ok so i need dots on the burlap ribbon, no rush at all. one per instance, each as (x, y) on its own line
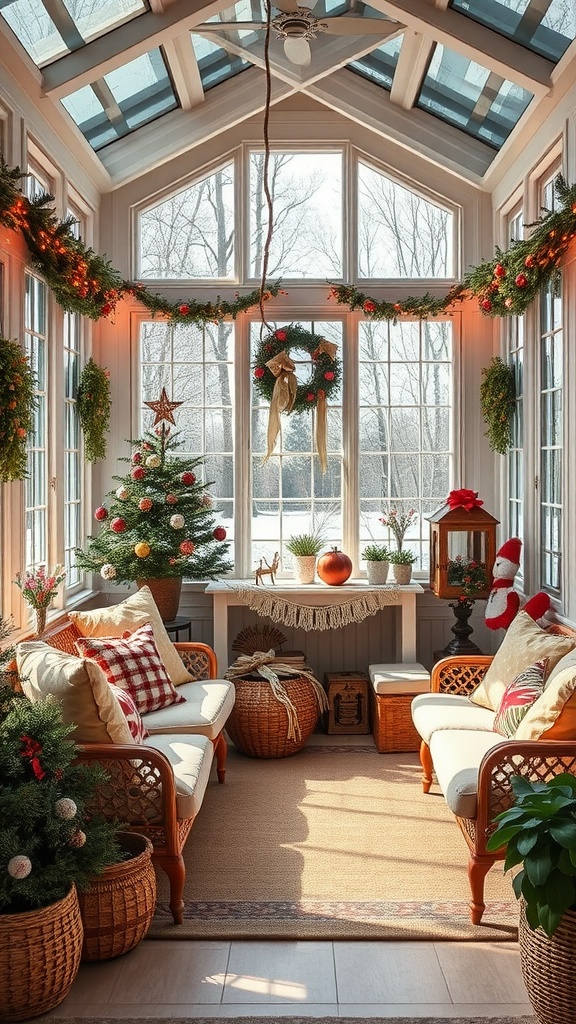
(259, 662)
(283, 396)
(328, 348)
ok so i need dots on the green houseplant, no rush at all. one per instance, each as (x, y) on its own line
(539, 833)
(402, 562)
(305, 548)
(18, 389)
(377, 558)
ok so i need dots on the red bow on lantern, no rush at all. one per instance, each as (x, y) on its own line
(31, 749)
(464, 498)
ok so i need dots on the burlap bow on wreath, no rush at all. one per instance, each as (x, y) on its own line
(259, 663)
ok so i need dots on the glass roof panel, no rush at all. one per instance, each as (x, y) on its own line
(475, 99)
(379, 65)
(545, 26)
(48, 29)
(216, 64)
(254, 10)
(123, 100)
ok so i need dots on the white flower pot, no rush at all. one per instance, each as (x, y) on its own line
(304, 568)
(377, 573)
(402, 573)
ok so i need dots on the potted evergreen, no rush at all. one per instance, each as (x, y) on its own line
(49, 846)
(305, 548)
(377, 558)
(402, 562)
(538, 832)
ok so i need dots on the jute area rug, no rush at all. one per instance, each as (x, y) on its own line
(301, 1020)
(335, 842)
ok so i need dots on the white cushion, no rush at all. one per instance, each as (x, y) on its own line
(399, 678)
(207, 705)
(191, 760)
(433, 712)
(457, 754)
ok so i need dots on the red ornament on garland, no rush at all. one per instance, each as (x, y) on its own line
(106, 309)
(521, 281)
(486, 305)
(369, 306)
(101, 513)
(188, 478)
(328, 375)
(184, 310)
(259, 372)
(530, 261)
(280, 335)
(310, 396)
(118, 525)
(219, 533)
(499, 270)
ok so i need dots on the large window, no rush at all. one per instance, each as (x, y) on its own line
(36, 342)
(515, 342)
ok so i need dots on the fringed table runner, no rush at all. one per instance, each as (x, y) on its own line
(259, 663)
(316, 617)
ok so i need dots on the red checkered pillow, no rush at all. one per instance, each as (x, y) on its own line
(134, 722)
(519, 696)
(133, 664)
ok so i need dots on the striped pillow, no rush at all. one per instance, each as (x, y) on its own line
(519, 696)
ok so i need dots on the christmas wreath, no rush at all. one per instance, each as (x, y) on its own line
(275, 380)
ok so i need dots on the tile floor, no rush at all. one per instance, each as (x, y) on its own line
(348, 979)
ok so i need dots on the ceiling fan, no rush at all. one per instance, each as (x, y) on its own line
(296, 26)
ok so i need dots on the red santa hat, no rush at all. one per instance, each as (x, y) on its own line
(510, 550)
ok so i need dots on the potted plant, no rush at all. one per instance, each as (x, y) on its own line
(402, 562)
(377, 558)
(539, 833)
(305, 548)
(49, 846)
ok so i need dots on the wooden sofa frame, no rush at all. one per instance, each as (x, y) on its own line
(537, 760)
(141, 791)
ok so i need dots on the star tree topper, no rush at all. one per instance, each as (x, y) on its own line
(163, 408)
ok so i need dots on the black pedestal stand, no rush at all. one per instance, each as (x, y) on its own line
(462, 630)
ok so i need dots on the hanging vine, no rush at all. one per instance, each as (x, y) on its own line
(93, 404)
(498, 402)
(17, 404)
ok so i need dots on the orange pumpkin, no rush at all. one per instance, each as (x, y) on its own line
(334, 567)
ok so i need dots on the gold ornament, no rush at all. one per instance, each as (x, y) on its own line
(142, 549)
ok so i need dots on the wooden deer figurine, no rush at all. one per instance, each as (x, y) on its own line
(265, 569)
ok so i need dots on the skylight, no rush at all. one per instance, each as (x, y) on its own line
(380, 65)
(214, 63)
(547, 28)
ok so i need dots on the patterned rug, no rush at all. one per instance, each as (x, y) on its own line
(335, 842)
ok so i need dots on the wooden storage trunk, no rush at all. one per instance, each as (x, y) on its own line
(348, 711)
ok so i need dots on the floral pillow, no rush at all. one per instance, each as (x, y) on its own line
(134, 664)
(138, 731)
(518, 698)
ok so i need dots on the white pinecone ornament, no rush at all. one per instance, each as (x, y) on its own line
(65, 808)
(19, 867)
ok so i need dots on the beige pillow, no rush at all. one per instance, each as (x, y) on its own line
(134, 611)
(79, 685)
(553, 715)
(524, 644)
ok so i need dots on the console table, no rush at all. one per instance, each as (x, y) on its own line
(226, 594)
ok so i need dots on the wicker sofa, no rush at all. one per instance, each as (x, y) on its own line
(472, 763)
(156, 787)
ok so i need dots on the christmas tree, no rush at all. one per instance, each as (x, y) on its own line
(47, 840)
(159, 523)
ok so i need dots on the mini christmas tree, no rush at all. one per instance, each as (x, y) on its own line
(159, 523)
(47, 840)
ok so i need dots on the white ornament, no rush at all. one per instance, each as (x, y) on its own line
(153, 461)
(177, 522)
(65, 808)
(19, 866)
(122, 493)
(108, 572)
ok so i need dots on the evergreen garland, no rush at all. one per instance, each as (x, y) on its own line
(498, 402)
(93, 402)
(47, 838)
(326, 370)
(17, 405)
(422, 306)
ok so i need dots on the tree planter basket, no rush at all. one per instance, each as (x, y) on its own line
(39, 958)
(258, 724)
(118, 908)
(548, 969)
(166, 594)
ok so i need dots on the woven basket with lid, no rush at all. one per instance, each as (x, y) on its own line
(258, 724)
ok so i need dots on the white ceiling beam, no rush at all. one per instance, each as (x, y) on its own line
(413, 59)
(415, 130)
(184, 71)
(123, 44)
(472, 40)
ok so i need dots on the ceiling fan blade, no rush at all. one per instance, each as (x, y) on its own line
(297, 51)
(286, 6)
(230, 26)
(343, 26)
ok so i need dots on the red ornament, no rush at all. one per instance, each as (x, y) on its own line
(145, 504)
(521, 281)
(187, 547)
(259, 372)
(137, 457)
(369, 306)
(310, 397)
(397, 307)
(118, 525)
(486, 305)
(334, 567)
(184, 310)
(329, 375)
(171, 499)
(280, 335)
(137, 473)
(188, 478)
(499, 270)
(100, 513)
(220, 533)
(33, 749)
(530, 261)
(106, 309)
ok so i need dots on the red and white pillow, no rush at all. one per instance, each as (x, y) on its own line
(138, 730)
(133, 664)
(518, 698)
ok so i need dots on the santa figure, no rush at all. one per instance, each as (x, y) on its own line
(503, 601)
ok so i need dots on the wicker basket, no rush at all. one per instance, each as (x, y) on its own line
(392, 725)
(118, 908)
(166, 594)
(39, 958)
(548, 969)
(258, 724)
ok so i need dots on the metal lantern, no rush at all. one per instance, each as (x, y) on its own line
(462, 547)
